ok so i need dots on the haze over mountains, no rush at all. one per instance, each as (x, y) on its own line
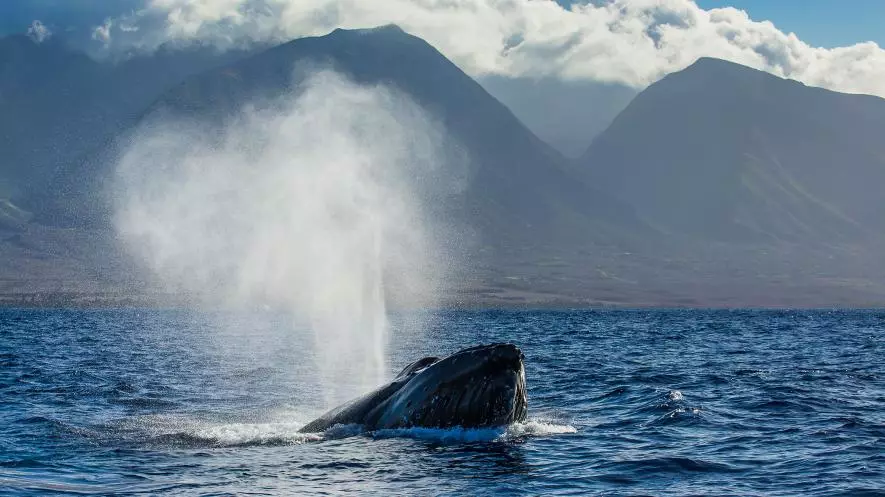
(718, 185)
(61, 107)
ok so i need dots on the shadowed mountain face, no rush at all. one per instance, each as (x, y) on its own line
(722, 151)
(39, 85)
(58, 107)
(518, 187)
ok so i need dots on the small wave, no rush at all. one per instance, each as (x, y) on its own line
(667, 402)
(22, 463)
(676, 410)
(677, 465)
(680, 415)
(778, 405)
(617, 392)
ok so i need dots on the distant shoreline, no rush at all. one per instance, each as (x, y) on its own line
(111, 300)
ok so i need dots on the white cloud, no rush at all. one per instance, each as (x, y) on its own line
(38, 31)
(634, 42)
(103, 33)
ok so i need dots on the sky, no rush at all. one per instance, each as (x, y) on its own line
(827, 43)
(825, 23)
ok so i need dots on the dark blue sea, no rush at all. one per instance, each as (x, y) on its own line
(150, 402)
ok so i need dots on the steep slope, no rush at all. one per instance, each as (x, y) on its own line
(25, 65)
(39, 85)
(57, 106)
(519, 188)
(723, 151)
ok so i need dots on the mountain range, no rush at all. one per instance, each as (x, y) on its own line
(718, 185)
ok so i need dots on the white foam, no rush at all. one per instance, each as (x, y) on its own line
(529, 428)
(448, 435)
(278, 430)
(343, 431)
(283, 431)
(254, 434)
(539, 428)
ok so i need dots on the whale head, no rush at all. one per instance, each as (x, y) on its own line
(477, 387)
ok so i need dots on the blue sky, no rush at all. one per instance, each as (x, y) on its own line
(825, 23)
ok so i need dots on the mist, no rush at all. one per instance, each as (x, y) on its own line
(317, 203)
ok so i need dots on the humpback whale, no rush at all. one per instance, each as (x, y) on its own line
(480, 386)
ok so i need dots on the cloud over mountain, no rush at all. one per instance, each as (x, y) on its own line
(38, 32)
(634, 42)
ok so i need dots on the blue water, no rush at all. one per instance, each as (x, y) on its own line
(620, 402)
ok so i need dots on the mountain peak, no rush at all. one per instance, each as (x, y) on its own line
(710, 71)
(389, 30)
(382, 29)
(716, 62)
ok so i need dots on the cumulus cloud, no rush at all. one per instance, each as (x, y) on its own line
(633, 42)
(38, 31)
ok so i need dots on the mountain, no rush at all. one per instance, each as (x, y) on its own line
(519, 187)
(521, 203)
(38, 82)
(58, 106)
(720, 151)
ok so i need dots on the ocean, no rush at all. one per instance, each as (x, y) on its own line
(621, 402)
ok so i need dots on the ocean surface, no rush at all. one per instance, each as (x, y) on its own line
(620, 403)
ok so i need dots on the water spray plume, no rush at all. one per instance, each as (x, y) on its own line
(314, 202)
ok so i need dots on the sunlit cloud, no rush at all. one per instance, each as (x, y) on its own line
(634, 42)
